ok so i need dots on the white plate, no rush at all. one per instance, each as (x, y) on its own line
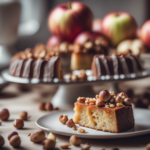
(51, 123)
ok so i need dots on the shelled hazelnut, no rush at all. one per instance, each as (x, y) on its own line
(63, 119)
(48, 144)
(4, 114)
(48, 106)
(70, 123)
(24, 115)
(99, 103)
(127, 101)
(15, 141)
(51, 136)
(11, 135)
(74, 140)
(104, 95)
(37, 136)
(18, 123)
(2, 141)
(41, 106)
(64, 146)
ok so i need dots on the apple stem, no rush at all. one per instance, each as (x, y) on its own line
(69, 4)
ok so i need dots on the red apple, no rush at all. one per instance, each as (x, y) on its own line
(68, 20)
(118, 26)
(54, 41)
(96, 26)
(145, 33)
(87, 35)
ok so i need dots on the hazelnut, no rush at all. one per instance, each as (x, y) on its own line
(65, 146)
(81, 99)
(99, 103)
(127, 101)
(74, 140)
(24, 115)
(119, 104)
(37, 136)
(51, 136)
(111, 105)
(11, 135)
(18, 123)
(49, 106)
(122, 95)
(15, 141)
(118, 99)
(104, 95)
(148, 146)
(81, 130)
(74, 127)
(4, 114)
(70, 123)
(85, 147)
(48, 144)
(97, 96)
(2, 141)
(42, 106)
(55, 108)
(63, 119)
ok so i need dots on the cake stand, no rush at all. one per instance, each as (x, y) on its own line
(68, 91)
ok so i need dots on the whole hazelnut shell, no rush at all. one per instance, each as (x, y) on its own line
(74, 140)
(2, 141)
(127, 101)
(122, 94)
(15, 141)
(70, 123)
(4, 114)
(48, 106)
(118, 99)
(104, 95)
(48, 144)
(37, 136)
(41, 106)
(11, 135)
(18, 123)
(24, 115)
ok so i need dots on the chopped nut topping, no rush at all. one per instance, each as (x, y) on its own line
(119, 104)
(107, 106)
(112, 105)
(74, 127)
(81, 99)
(112, 100)
(81, 130)
(97, 96)
(112, 93)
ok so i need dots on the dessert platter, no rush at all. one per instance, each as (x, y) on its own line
(104, 117)
(41, 66)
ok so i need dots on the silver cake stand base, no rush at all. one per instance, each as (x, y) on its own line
(69, 91)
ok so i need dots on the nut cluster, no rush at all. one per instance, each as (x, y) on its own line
(47, 106)
(99, 45)
(38, 52)
(107, 99)
(81, 76)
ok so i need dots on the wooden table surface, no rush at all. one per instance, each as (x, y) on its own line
(17, 100)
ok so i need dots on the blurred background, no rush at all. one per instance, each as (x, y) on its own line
(31, 24)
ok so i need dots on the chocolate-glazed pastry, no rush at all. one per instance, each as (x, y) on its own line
(37, 63)
(115, 64)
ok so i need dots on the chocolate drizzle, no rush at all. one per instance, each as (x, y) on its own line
(115, 64)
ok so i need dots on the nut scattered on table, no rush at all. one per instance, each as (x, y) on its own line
(63, 119)
(70, 123)
(42, 106)
(81, 130)
(48, 106)
(51, 136)
(74, 127)
(11, 135)
(2, 141)
(15, 141)
(74, 140)
(24, 115)
(148, 146)
(18, 123)
(4, 114)
(85, 147)
(65, 146)
(37, 136)
(48, 144)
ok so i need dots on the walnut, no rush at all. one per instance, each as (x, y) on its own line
(70, 123)
(63, 119)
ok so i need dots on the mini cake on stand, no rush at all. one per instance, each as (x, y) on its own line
(36, 63)
(106, 112)
(85, 47)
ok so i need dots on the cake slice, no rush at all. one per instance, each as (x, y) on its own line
(106, 112)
